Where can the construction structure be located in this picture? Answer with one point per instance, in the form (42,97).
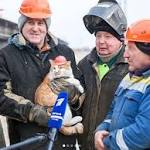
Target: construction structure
(6,29)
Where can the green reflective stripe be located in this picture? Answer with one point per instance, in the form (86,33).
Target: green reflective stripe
(102,70)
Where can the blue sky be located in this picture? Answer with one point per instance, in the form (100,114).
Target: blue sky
(67,17)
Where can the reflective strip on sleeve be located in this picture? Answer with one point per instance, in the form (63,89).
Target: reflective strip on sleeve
(107,120)
(120,141)
(8,92)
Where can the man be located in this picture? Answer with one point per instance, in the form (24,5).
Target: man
(102,69)
(24,63)
(126,126)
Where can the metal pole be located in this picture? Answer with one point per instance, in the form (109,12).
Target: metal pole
(51,136)
(38,138)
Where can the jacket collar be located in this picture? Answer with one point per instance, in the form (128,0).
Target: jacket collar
(93,57)
(144,72)
(19,41)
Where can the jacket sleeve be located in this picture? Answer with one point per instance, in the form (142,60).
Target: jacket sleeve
(77,74)
(135,136)
(76,70)
(11,105)
(107,121)
(81,65)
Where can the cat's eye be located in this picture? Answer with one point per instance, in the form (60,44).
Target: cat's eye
(60,67)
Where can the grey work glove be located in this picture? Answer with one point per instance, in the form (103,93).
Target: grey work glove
(39,115)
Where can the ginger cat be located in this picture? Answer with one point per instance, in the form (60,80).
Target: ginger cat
(61,78)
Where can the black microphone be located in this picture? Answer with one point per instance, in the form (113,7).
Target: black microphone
(56,119)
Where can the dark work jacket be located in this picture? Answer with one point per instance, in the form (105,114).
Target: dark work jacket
(99,94)
(25,67)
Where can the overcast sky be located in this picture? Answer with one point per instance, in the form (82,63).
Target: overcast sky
(67,17)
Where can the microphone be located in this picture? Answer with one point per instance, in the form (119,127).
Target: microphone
(57,115)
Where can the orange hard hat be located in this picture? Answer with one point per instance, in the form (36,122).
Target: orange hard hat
(60,60)
(139,32)
(35,8)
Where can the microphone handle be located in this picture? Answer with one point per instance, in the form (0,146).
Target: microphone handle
(52,134)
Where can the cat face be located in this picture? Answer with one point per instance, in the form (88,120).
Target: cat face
(60,70)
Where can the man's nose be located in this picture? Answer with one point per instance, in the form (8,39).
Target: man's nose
(126,55)
(102,39)
(35,27)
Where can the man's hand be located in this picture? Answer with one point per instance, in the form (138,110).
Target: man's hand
(40,115)
(99,136)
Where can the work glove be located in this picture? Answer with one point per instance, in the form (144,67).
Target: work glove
(39,115)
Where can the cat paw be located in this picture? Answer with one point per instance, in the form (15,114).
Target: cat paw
(79,128)
(76,129)
(74,121)
(81,89)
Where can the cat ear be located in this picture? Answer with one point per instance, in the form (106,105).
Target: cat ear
(69,62)
(51,61)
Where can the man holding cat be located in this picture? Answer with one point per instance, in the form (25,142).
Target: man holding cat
(24,63)
(102,69)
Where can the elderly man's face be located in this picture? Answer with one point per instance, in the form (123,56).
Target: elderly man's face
(34,31)
(137,60)
(106,43)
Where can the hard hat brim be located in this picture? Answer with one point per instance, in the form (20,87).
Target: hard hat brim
(36,15)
